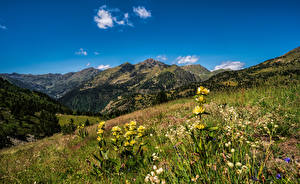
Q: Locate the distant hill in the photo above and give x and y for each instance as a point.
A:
(26, 114)
(54, 85)
(284, 69)
(201, 72)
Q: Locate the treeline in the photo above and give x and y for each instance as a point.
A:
(26, 114)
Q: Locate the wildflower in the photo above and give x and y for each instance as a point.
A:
(232, 150)
(132, 142)
(154, 167)
(200, 98)
(159, 171)
(198, 110)
(239, 171)
(141, 129)
(195, 179)
(99, 138)
(244, 168)
(254, 178)
(238, 164)
(126, 143)
(101, 124)
(147, 179)
(199, 126)
(278, 176)
(116, 129)
(100, 131)
(287, 160)
(202, 90)
(230, 164)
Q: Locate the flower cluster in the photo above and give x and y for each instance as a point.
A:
(153, 177)
(100, 131)
(199, 109)
(82, 131)
(133, 134)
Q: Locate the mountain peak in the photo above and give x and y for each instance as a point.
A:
(152, 62)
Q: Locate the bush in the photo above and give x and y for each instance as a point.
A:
(68, 128)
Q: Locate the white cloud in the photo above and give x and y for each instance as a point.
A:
(162, 57)
(105, 19)
(233, 65)
(88, 64)
(96, 53)
(81, 52)
(142, 12)
(187, 59)
(3, 27)
(103, 67)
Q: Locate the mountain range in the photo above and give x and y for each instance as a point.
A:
(129, 87)
(92, 90)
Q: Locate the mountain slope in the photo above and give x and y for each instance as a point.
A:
(25, 114)
(54, 85)
(147, 77)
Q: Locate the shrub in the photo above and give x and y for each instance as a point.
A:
(68, 128)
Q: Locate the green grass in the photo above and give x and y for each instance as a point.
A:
(78, 120)
(241, 116)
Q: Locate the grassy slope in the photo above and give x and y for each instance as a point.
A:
(78, 120)
(63, 159)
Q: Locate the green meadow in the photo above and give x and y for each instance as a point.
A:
(238, 136)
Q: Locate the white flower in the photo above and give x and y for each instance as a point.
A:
(159, 171)
(147, 179)
(239, 171)
(238, 164)
(230, 164)
(232, 150)
(152, 173)
(154, 167)
(244, 168)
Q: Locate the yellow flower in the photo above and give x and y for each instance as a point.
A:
(198, 110)
(132, 123)
(101, 124)
(141, 129)
(202, 90)
(116, 129)
(140, 134)
(129, 133)
(132, 142)
(100, 131)
(200, 98)
(199, 126)
(99, 138)
(126, 143)
(113, 140)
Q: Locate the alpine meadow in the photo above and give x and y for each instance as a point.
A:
(148, 91)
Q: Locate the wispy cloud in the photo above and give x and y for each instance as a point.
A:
(2, 26)
(81, 52)
(142, 12)
(162, 57)
(105, 19)
(88, 64)
(103, 67)
(96, 53)
(233, 65)
(187, 59)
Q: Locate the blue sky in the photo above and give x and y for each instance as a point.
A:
(59, 36)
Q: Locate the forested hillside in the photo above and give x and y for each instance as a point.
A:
(26, 115)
